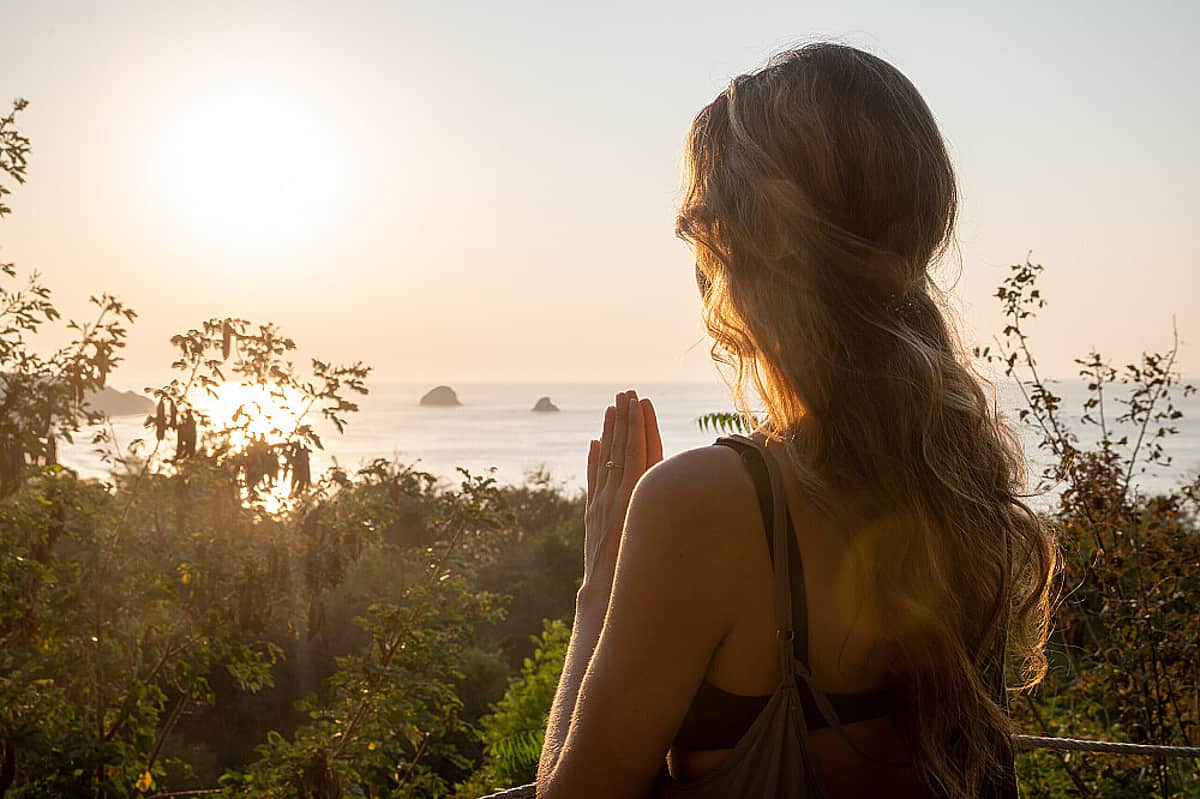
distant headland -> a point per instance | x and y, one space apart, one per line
119 403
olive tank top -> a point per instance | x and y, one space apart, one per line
773 759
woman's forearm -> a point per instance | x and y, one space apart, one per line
585 632
628 446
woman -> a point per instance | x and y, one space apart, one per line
822 609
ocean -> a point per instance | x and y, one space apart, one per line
495 430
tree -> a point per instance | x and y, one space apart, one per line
44 398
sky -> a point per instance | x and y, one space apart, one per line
484 191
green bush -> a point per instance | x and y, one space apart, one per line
1126 634
513 733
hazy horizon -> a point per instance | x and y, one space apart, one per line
455 194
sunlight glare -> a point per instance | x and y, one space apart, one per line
248 412
252 169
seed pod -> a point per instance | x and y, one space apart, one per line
185 441
301 470
160 421
261 463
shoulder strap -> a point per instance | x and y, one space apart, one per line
791 602
757 469
792 643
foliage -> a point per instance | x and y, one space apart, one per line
114 615
14 152
103 651
268 437
127 606
161 604
1126 635
724 422
388 711
537 569
513 733
44 398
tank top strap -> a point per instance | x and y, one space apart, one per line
788 585
791 602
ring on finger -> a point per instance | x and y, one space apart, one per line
612 465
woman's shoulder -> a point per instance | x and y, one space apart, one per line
709 474
701 492
691 531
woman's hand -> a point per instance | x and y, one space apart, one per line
629 445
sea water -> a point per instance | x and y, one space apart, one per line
496 431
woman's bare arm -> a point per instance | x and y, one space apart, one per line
639 653
630 439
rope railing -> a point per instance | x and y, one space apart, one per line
1107 747
520 792
1020 741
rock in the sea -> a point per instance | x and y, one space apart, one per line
441 396
544 404
119 403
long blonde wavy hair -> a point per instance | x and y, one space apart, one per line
819 193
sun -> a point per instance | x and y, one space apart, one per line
251 167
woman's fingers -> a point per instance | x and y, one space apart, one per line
606 439
593 463
635 446
620 435
630 441
654 447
